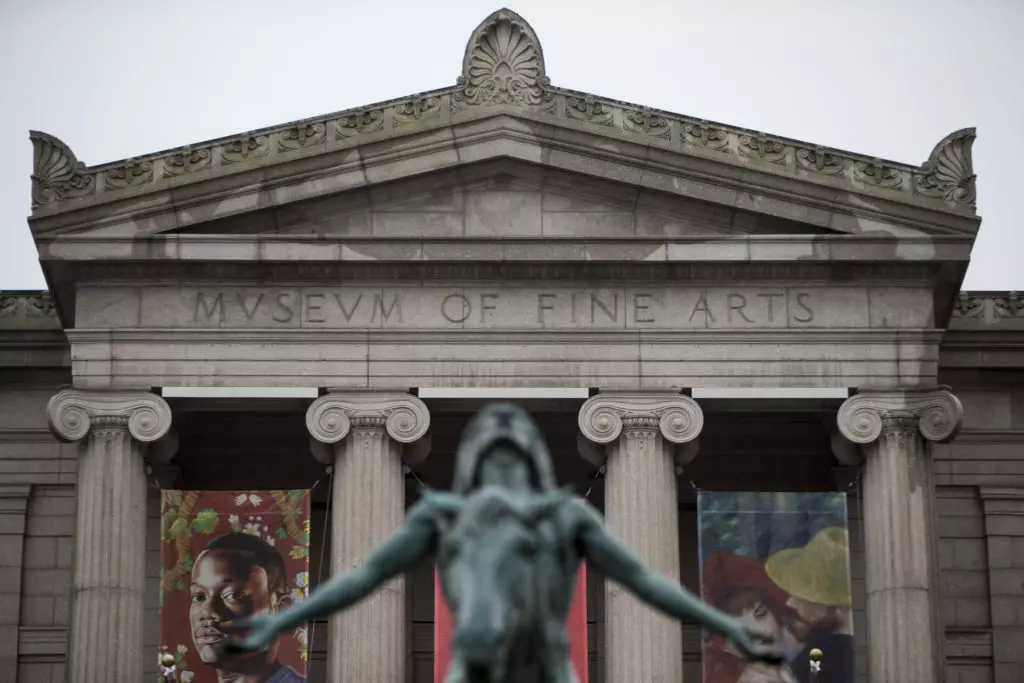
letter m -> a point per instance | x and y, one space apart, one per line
208 307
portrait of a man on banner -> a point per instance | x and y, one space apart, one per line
228 555
781 562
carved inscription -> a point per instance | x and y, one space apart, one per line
513 308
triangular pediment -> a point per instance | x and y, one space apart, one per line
503 199
505 109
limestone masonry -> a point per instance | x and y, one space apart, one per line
505 232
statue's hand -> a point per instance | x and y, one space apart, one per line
756 644
251 635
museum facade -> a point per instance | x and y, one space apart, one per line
741 312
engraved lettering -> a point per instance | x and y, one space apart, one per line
543 305
736 303
771 297
462 314
209 307
314 304
485 306
572 308
284 302
378 306
249 312
345 311
803 301
612 313
641 302
702 305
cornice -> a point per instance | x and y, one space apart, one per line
945 182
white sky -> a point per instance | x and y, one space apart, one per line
122 78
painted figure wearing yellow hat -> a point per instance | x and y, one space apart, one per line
817 578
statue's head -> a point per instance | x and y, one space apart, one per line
503 446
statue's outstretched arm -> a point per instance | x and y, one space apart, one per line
608 555
414 540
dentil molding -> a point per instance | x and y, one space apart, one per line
937 411
72 413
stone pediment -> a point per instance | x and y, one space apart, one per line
502 199
504 108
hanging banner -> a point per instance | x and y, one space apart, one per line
576 625
227 555
779 562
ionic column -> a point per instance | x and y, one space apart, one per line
367 432
642 432
113 430
905 636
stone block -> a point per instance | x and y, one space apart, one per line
12 524
961 584
37 610
494 214
47 582
11 550
1008 645
1000 552
1007 582
972 612
65 552
62 609
40 552
969 553
9 608
51 525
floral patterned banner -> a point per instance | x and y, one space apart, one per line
779 562
227 555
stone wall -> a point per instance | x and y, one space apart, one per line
37 517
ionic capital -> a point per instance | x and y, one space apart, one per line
72 413
604 416
937 414
331 416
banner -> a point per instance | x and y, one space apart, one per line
228 555
576 625
779 562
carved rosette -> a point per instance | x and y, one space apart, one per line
331 417
504 64
56 173
604 417
73 413
949 171
937 413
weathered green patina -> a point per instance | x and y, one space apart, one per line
508 545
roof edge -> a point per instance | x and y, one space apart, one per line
504 71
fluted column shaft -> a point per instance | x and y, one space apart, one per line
905 636
113 431
366 644
641 507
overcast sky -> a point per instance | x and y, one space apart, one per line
122 78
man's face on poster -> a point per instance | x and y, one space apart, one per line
227 585
807 616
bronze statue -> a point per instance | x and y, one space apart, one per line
508 545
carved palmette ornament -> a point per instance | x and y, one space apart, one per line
56 173
949 171
504 64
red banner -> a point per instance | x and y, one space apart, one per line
576 624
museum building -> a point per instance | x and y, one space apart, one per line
709 308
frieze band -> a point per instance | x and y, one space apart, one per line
503 67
